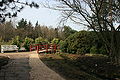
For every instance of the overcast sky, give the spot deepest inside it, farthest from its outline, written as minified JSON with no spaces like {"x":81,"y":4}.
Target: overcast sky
{"x":44,"y":16}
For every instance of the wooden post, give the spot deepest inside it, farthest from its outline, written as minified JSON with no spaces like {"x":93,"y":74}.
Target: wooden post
{"x":51,"y":48}
{"x":59,"y":48}
{"x":30,"y":48}
{"x":54,"y":48}
{"x":46,"y":48}
{"x":37,"y":48}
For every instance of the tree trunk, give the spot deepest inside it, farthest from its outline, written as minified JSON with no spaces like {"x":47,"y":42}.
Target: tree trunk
{"x":115,"y":47}
{"x":119,"y":57}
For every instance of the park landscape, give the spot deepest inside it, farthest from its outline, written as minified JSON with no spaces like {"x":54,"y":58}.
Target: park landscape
{"x":91,"y":54}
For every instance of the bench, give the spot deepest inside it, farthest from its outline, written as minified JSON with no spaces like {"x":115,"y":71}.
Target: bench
{"x":8,"y":48}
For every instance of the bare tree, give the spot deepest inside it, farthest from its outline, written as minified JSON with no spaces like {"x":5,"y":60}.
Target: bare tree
{"x":98,"y":15}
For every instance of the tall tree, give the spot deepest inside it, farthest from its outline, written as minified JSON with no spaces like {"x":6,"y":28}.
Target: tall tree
{"x":7,"y":31}
{"x":36,"y":24}
{"x":56,"y":32}
{"x":68,"y":31}
{"x":29,"y":30}
{"x":10,"y":8}
{"x":99,"y":15}
{"x":22,"y":24}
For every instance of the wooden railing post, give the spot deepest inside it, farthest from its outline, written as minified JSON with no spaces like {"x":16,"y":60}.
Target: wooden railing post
{"x":37,"y":48}
{"x":51,"y":48}
{"x":46,"y":48}
{"x":59,"y":48}
{"x":54,"y":48}
{"x":30,"y":48}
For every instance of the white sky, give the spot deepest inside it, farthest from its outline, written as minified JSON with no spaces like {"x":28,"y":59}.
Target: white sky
{"x":44,"y":16}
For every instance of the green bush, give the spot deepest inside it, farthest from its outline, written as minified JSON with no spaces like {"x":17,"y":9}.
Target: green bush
{"x":81,"y":51}
{"x":63,"y":46}
{"x":16,"y":41}
{"x":27,"y":43}
{"x":40,"y":40}
{"x":103,"y":50}
{"x":55,"y":41}
{"x":93,"y":50}
{"x":79,"y":42}
{"x":83,"y":42}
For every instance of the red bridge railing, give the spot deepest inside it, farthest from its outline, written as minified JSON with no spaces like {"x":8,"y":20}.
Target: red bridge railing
{"x":53,"y":48}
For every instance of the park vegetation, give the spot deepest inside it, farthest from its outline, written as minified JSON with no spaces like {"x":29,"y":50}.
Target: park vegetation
{"x":98,"y":15}
{"x":71,"y":41}
{"x":83,"y":42}
{"x":88,"y":55}
{"x":24,"y":34}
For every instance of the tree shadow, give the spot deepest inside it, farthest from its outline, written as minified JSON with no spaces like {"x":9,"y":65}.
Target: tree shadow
{"x":83,"y":68}
{"x":17,"y":68}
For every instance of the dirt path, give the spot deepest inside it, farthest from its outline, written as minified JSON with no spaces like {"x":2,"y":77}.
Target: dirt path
{"x":18,"y":67}
{"x":40,"y":71}
{"x":27,"y":66}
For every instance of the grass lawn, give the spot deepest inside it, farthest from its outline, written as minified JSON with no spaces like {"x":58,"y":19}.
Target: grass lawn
{"x":77,"y":67}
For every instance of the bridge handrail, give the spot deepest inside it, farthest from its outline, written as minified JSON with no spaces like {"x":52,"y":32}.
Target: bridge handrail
{"x":40,"y":47}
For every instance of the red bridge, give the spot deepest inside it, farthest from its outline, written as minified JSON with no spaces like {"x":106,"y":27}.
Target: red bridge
{"x":52,"y":48}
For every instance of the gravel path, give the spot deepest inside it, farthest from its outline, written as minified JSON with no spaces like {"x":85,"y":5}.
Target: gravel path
{"x":18,"y":67}
{"x":26,"y":66}
{"x":40,"y":71}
